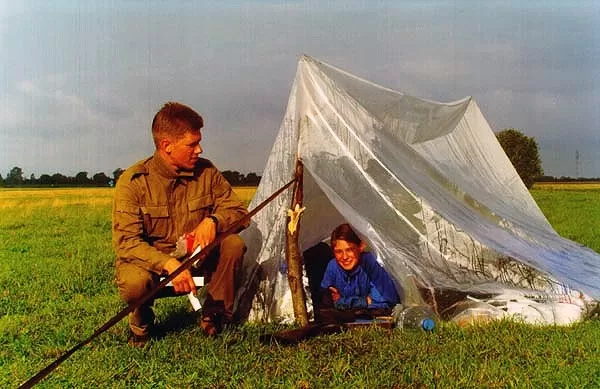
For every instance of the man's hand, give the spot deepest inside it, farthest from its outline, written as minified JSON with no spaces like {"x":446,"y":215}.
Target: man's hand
{"x":183,"y":283}
{"x":335,"y":294}
{"x":205,"y":233}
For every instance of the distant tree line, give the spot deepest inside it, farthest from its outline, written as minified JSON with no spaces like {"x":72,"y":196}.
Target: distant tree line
{"x":236,"y":178}
{"x":566,"y":179}
{"x":522,"y":150}
{"x":16,"y":178}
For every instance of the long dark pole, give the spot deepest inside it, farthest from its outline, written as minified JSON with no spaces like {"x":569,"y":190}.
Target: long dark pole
{"x":186,"y":264}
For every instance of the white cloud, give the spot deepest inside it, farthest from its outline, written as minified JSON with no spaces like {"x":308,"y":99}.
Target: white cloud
{"x":52,"y":104}
{"x":48,"y":125}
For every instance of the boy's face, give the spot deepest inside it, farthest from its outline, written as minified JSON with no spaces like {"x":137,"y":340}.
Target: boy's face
{"x":347,"y":254}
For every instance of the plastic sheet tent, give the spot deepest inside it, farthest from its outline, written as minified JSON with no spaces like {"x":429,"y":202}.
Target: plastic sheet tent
{"x":425,"y":183}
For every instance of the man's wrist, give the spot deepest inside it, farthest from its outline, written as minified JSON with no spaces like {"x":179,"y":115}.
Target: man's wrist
{"x":170,"y":265}
{"x":215,"y":220}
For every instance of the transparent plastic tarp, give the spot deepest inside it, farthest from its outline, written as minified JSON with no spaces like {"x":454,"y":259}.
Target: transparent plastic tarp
{"x":425,"y":183}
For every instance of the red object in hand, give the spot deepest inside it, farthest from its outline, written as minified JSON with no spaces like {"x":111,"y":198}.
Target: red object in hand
{"x":189,"y":243}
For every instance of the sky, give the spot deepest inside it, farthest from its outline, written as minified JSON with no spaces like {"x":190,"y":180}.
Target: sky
{"x":80,"y":81}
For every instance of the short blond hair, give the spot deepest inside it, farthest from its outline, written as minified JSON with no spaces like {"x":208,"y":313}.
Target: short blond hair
{"x":173,"y":120}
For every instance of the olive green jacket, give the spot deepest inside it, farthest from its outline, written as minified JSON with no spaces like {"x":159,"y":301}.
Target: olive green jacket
{"x":153,"y":206}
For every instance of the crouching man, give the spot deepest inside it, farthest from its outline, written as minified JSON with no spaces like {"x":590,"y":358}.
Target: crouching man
{"x":163,"y":197}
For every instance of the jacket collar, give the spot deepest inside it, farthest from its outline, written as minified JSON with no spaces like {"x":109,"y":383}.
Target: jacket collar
{"x":164,"y":169}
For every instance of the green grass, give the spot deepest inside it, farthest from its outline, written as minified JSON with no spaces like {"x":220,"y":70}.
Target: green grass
{"x":574,"y":214}
{"x":56,"y":288}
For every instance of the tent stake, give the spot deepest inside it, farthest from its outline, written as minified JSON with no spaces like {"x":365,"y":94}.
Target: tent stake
{"x":292,"y":251}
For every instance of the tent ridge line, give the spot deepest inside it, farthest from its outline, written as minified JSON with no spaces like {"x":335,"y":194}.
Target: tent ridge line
{"x":323,"y":95}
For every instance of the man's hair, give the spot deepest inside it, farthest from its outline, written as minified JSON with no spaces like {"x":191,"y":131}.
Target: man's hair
{"x":173,"y":121}
{"x":344,"y":232}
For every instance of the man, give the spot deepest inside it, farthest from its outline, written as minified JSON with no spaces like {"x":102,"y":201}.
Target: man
{"x":158,"y":200}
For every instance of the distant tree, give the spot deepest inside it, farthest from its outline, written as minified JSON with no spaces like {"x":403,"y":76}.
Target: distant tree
{"x":233,"y":177}
{"x":546,"y":179}
{"x":81,"y":178}
{"x":59,"y":179}
{"x":252,"y":179}
{"x":15,"y":177}
{"x":1,"y":180}
{"x":45,"y":179}
{"x":116,"y":174}
{"x":32,"y":180}
{"x":522,"y":151}
{"x":101,"y":179}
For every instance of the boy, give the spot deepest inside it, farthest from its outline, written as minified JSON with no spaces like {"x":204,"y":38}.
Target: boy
{"x":353,"y":278}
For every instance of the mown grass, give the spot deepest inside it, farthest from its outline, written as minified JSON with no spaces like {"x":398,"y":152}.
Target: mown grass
{"x":56,"y":283}
{"x":573,"y":210}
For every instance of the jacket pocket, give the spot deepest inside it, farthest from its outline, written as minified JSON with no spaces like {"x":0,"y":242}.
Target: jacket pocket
{"x":156,"y":220}
{"x":202,"y":203}
{"x":198,"y":209}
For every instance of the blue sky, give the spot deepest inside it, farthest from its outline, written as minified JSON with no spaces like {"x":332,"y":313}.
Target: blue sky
{"x":81,"y":80}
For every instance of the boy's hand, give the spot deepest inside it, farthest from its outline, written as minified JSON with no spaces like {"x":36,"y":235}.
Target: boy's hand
{"x":335,"y":294}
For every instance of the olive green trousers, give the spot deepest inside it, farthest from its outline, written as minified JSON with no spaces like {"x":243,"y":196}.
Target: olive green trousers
{"x":221,"y":270}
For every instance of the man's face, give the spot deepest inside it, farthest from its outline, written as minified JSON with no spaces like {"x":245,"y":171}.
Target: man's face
{"x":347,"y":254}
{"x":185,"y":152}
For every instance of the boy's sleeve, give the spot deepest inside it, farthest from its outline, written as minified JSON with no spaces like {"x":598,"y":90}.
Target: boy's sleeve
{"x":382,"y":288}
{"x":327,"y":281}
{"x":329,"y":276}
{"x":377,"y":299}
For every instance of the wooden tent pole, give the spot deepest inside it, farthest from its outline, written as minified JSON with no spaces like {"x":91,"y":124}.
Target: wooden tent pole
{"x":292,"y":250}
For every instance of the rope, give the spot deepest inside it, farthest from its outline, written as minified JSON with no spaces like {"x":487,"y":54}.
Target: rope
{"x":186,"y":264}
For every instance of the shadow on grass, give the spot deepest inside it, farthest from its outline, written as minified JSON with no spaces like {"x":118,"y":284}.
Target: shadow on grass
{"x":175,"y":322}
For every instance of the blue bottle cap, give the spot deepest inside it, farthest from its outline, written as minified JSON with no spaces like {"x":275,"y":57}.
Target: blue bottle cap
{"x":427,"y":324}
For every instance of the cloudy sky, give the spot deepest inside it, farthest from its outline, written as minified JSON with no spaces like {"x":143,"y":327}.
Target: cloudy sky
{"x":81,"y":80}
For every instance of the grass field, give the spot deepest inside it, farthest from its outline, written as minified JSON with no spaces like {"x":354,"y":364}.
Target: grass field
{"x":570,"y":186}
{"x":56,"y":285}
{"x":573,"y":209}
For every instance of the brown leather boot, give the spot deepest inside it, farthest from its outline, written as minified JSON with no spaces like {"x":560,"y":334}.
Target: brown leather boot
{"x":211,"y":324}
{"x":137,"y":341}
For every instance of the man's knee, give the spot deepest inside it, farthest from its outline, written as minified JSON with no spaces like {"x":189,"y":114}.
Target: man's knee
{"x":133,"y":282}
{"x":233,"y":248}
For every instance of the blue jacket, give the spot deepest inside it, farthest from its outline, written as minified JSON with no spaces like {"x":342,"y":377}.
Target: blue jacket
{"x":367,"y":278}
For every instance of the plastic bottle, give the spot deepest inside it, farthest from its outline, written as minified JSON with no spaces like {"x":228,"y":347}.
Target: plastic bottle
{"x":471,"y":311}
{"x":415,"y":317}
